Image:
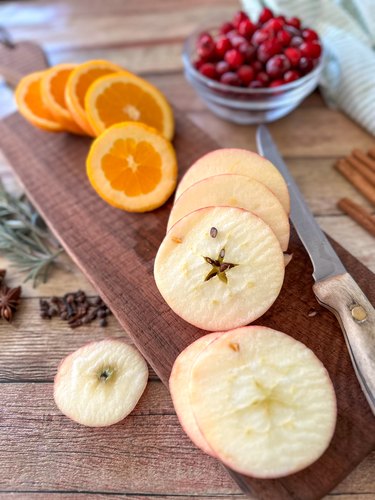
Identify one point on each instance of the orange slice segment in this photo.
(132, 167)
(29, 101)
(53, 94)
(77, 85)
(126, 97)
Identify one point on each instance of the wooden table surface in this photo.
(36, 459)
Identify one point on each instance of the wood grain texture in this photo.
(32, 348)
(309, 141)
(121, 269)
(131, 456)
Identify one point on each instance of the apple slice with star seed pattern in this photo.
(219, 268)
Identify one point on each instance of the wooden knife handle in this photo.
(345, 299)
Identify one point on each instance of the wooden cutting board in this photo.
(116, 252)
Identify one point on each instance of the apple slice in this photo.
(219, 268)
(100, 383)
(237, 161)
(235, 191)
(263, 401)
(179, 389)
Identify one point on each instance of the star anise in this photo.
(9, 300)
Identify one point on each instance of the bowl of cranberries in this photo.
(252, 72)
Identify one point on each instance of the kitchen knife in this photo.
(334, 287)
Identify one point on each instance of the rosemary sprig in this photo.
(25, 239)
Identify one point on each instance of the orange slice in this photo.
(126, 97)
(132, 167)
(29, 101)
(77, 85)
(53, 94)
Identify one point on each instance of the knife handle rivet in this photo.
(358, 313)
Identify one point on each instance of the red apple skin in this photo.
(233, 180)
(233, 151)
(175, 387)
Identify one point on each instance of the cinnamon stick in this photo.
(357, 180)
(362, 169)
(361, 156)
(371, 152)
(358, 213)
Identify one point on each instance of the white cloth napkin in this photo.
(347, 29)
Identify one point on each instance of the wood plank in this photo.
(43, 11)
(132, 456)
(65, 277)
(24, 495)
(324, 132)
(139, 59)
(32, 348)
(111, 28)
(352, 236)
(67, 457)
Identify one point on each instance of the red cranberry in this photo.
(276, 83)
(311, 49)
(305, 65)
(294, 55)
(237, 40)
(245, 74)
(294, 21)
(263, 78)
(259, 37)
(246, 28)
(222, 45)
(292, 30)
(248, 51)
(208, 70)
(226, 28)
(268, 49)
(230, 78)
(273, 25)
(238, 18)
(309, 35)
(291, 75)
(203, 38)
(277, 66)
(257, 66)
(265, 15)
(284, 37)
(198, 63)
(231, 34)
(206, 47)
(222, 67)
(256, 84)
(296, 41)
(234, 58)
(282, 19)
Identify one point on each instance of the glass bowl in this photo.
(244, 105)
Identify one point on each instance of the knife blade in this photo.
(334, 288)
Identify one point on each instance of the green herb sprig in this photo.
(25, 239)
